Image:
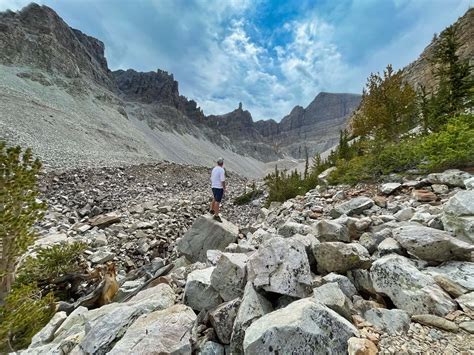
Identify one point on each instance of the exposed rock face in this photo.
(420, 72)
(313, 129)
(37, 37)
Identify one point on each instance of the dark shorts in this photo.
(218, 193)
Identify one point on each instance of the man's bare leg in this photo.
(216, 208)
(213, 205)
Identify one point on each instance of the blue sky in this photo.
(271, 55)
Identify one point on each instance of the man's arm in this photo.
(223, 185)
(223, 180)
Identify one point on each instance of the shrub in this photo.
(245, 198)
(19, 208)
(50, 263)
(25, 312)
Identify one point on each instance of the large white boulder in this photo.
(206, 234)
(330, 231)
(303, 327)
(166, 331)
(340, 257)
(460, 272)
(252, 307)
(222, 319)
(229, 276)
(390, 321)
(452, 177)
(290, 228)
(331, 295)
(409, 289)
(432, 244)
(199, 293)
(281, 265)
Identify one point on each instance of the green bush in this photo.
(19, 208)
(50, 263)
(246, 198)
(25, 312)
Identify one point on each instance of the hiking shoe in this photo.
(218, 219)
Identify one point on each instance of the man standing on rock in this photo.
(218, 188)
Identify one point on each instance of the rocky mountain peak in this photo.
(37, 37)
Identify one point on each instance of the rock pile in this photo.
(375, 270)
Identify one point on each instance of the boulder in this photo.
(435, 321)
(452, 177)
(389, 246)
(370, 241)
(408, 288)
(206, 234)
(211, 348)
(308, 241)
(360, 278)
(360, 346)
(440, 189)
(303, 327)
(46, 334)
(469, 183)
(331, 295)
(104, 220)
(458, 215)
(51, 239)
(424, 196)
(166, 331)
(340, 257)
(101, 257)
(325, 174)
(344, 283)
(405, 214)
(290, 228)
(229, 276)
(252, 307)
(259, 236)
(222, 319)
(432, 244)
(330, 231)
(390, 187)
(198, 292)
(451, 287)
(466, 302)
(468, 326)
(280, 265)
(354, 206)
(460, 272)
(390, 321)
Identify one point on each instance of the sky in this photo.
(271, 55)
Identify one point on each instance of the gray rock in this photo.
(259, 236)
(166, 331)
(331, 295)
(325, 174)
(390, 321)
(211, 348)
(253, 306)
(458, 215)
(354, 206)
(290, 228)
(451, 177)
(308, 241)
(389, 246)
(370, 241)
(359, 346)
(362, 281)
(206, 234)
(435, 321)
(230, 276)
(404, 214)
(451, 287)
(101, 257)
(440, 189)
(280, 265)
(104, 220)
(303, 327)
(198, 292)
(46, 334)
(467, 326)
(460, 272)
(330, 231)
(390, 187)
(469, 183)
(341, 257)
(344, 283)
(222, 319)
(408, 288)
(432, 244)
(466, 302)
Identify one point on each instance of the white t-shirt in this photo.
(217, 177)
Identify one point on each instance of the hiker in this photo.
(218, 188)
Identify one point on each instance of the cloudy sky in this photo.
(269, 54)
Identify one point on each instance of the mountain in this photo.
(313, 129)
(58, 96)
(420, 72)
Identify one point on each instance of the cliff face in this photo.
(420, 72)
(312, 129)
(37, 37)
